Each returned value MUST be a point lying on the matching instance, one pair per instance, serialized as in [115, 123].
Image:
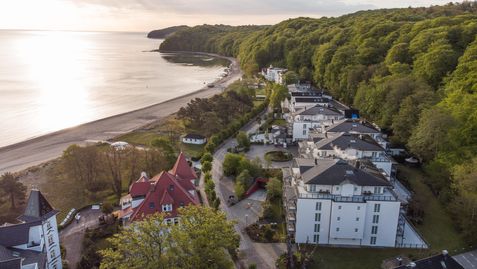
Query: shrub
[206, 167]
[107, 208]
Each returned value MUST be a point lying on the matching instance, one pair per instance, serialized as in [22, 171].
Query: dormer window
[181, 204]
[151, 205]
[171, 187]
[166, 207]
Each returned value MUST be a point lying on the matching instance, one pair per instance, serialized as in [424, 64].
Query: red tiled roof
[166, 190]
[182, 169]
[139, 188]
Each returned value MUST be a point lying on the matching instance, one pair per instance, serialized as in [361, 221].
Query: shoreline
[38, 150]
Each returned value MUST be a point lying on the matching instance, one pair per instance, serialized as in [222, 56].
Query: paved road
[244, 212]
[29, 153]
[72, 236]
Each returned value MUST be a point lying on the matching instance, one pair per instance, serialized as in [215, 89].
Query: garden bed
[278, 156]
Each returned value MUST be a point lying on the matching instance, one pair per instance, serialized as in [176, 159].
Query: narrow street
[72, 236]
[245, 212]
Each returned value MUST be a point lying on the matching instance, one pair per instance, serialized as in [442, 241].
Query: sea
[52, 80]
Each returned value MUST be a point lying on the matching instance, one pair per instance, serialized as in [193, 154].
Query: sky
[145, 15]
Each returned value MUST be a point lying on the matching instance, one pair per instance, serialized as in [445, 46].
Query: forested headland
[413, 71]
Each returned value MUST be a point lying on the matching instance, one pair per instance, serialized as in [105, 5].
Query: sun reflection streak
[54, 64]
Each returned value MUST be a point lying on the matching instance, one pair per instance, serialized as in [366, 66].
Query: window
[338, 229]
[359, 208]
[339, 207]
[181, 204]
[357, 219]
[377, 190]
[176, 220]
[355, 188]
[171, 187]
[317, 227]
[167, 207]
[318, 205]
[50, 239]
[316, 238]
[375, 218]
[374, 229]
[304, 132]
[356, 230]
[377, 207]
[373, 240]
[317, 216]
[48, 225]
[313, 188]
[337, 188]
[52, 254]
[338, 218]
[151, 205]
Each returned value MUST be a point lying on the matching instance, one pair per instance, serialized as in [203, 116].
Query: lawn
[279, 122]
[437, 229]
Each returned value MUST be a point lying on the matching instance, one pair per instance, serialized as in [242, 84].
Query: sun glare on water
[55, 62]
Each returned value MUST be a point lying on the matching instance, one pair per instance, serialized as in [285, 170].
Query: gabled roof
[354, 141]
[320, 110]
[182, 169]
[139, 188]
[16, 234]
[335, 172]
[37, 208]
[166, 190]
[194, 136]
[353, 126]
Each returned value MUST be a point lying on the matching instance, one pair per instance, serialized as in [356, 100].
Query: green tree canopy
[200, 241]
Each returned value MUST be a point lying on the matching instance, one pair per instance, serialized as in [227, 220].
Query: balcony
[349, 199]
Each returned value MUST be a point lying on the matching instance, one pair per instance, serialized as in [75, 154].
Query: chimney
[445, 253]
[316, 161]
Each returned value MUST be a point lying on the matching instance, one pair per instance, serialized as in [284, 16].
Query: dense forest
[163, 33]
[413, 71]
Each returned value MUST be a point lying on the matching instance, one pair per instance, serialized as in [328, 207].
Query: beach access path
[20, 156]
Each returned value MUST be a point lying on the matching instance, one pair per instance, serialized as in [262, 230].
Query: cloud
[237, 7]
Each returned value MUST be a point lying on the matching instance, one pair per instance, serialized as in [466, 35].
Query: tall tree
[12, 187]
[200, 241]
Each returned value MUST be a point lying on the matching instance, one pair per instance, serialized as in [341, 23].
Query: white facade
[194, 141]
[274, 74]
[347, 216]
[302, 124]
[52, 246]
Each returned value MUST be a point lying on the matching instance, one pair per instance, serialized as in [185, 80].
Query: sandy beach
[17, 157]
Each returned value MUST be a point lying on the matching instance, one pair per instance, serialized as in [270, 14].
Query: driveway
[72, 236]
[245, 212]
[260, 150]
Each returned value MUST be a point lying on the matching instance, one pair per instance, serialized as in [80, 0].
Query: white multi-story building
[274, 74]
[331, 202]
[308, 119]
[350, 146]
[33, 243]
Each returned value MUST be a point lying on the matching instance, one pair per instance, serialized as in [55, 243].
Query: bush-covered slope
[412, 71]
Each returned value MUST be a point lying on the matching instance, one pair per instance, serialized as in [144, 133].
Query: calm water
[54, 80]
